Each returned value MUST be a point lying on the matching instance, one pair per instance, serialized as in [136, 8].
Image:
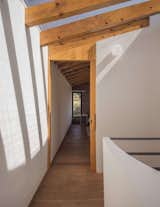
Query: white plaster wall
[128, 87]
[23, 115]
[61, 108]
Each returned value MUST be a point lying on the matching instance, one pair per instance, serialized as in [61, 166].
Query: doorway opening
[81, 75]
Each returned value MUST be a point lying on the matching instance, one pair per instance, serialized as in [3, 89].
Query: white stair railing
[127, 181]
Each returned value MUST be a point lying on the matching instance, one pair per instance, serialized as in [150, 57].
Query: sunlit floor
[70, 183]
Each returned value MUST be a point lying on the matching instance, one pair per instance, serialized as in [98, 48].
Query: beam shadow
[7, 25]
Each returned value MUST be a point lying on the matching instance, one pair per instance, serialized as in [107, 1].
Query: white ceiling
[82, 16]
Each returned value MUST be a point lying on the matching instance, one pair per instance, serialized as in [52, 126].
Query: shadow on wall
[15, 179]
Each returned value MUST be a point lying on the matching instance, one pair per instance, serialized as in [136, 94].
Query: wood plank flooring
[70, 183]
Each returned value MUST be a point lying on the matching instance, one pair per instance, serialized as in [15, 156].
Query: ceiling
[76, 72]
[81, 16]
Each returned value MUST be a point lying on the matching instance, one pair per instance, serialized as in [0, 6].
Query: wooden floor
[70, 183]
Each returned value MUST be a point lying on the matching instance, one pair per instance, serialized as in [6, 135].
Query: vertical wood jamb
[92, 57]
[49, 110]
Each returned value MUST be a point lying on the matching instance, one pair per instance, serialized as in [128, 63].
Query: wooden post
[92, 57]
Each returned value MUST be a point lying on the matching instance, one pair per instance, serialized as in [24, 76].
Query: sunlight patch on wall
[40, 84]
[12, 138]
[116, 50]
[25, 74]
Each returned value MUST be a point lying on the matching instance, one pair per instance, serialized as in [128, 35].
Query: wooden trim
[49, 110]
[58, 9]
[92, 56]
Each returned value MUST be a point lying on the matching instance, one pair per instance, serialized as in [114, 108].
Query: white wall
[23, 115]
[128, 86]
[61, 108]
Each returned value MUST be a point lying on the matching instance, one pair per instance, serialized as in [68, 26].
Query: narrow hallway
[69, 182]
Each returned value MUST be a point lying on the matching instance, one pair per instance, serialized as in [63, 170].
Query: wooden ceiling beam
[59, 9]
[62, 63]
[80, 47]
[75, 71]
[79, 82]
[72, 65]
[76, 80]
[100, 22]
[79, 85]
[81, 74]
[75, 68]
[68, 66]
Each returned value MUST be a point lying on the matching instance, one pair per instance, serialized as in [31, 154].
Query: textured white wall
[128, 87]
[61, 108]
[23, 115]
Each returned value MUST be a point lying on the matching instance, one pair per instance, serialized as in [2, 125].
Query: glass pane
[76, 104]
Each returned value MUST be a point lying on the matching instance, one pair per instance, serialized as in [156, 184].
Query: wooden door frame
[83, 53]
[49, 110]
[92, 57]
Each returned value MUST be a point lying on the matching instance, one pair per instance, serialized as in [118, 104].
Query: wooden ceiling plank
[59, 9]
[100, 22]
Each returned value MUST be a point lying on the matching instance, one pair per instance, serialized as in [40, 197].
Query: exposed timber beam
[78, 81]
[79, 84]
[75, 68]
[78, 49]
[68, 65]
[78, 75]
[58, 9]
[74, 87]
[71, 72]
[91, 25]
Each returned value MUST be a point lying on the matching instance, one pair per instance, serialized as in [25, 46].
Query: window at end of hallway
[77, 100]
